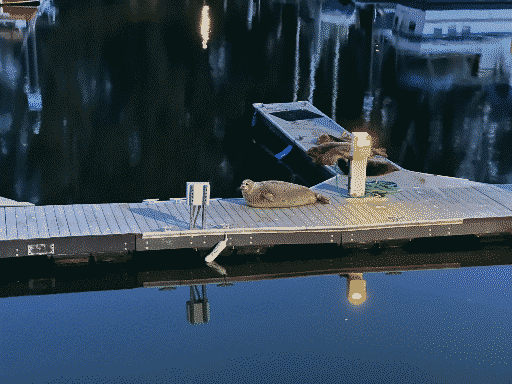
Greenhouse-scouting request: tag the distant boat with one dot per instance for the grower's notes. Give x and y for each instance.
(20, 3)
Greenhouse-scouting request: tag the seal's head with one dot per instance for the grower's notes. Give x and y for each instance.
(246, 186)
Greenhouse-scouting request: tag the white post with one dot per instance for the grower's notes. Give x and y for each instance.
(361, 150)
(198, 196)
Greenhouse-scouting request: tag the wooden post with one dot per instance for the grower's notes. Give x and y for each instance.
(361, 150)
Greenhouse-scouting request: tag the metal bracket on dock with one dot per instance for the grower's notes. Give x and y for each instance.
(198, 196)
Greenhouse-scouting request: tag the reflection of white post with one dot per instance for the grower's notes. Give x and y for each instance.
(315, 57)
(361, 150)
(335, 72)
(296, 77)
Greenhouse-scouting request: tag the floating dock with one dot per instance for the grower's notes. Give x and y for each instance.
(426, 206)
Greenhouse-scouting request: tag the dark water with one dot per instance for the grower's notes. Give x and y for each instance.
(134, 107)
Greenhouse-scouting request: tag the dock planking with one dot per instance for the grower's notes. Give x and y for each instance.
(426, 205)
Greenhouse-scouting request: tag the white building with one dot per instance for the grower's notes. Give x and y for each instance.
(435, 19)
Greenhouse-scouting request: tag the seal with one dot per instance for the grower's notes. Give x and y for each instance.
(278, 194)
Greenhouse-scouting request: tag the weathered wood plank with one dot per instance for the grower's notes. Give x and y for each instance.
(330, 213)
(132, 226)
(346, 208)
(235, 220)
(10, 218)
(101, 220)
(61, 220)
(313, 215)
(165, 219)
(51, 220)
(175, 217)
(33, 232)
(147, 210)
(469, 203)
(42, 225)
(246, 213)
(94, 228)
(225, 217)
(81, 220)
(141, 220)
(500, 196)
(21, 223)
(3, 225)
(111, 219)
(242, 219)
(74, 229)
(480, 195)
(183, 209)
(265, 216)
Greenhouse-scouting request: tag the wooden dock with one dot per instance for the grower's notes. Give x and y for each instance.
(426, 206)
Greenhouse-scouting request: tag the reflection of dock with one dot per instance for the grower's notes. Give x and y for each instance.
(427, 206)
(44, 276)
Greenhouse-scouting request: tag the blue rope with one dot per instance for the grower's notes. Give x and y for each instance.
(374, 188)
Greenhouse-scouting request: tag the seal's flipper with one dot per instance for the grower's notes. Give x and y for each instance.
(322, 199)
(268, 196)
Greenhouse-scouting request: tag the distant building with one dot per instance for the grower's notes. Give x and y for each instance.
(437, 19)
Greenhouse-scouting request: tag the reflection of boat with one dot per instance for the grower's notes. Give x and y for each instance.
(474, 38)
(17, 24)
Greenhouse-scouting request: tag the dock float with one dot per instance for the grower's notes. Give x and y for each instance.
(426, 206)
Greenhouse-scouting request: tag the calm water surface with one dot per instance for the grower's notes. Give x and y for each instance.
(137, 101)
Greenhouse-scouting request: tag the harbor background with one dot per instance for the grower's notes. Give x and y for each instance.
(134, 107)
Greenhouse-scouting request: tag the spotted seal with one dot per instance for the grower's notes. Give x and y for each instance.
(278, 194)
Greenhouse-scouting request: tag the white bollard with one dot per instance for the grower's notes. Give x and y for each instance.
(361, 151)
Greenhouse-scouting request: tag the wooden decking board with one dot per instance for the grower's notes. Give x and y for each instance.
(94, 227)
(165, 219)
(315, 210)
(51, 220)
(312, 216)
(498, 207)
(42, 224)
(331, 213)
(343, 206)
(120, 219)
(61, 220)
(21, 223)
(295, 215)
(278, 216)
(81, 220)
(148, 212)
(478, 203)
(132, 209)
(100, 218)
(214, 217)
(127, 216)
(72, 221)
(3, 225)
(232, 205)
(281, 217)
(477, 210)
(237, 219)
(174, 215)
(184, 210)
(10, 221)
(503, 196)
(248, 213)
(307, 222)
(33, 232)
(111, 219)
(221, 211)
(264, 216)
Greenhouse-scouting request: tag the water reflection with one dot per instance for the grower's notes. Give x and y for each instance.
(421, 90)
